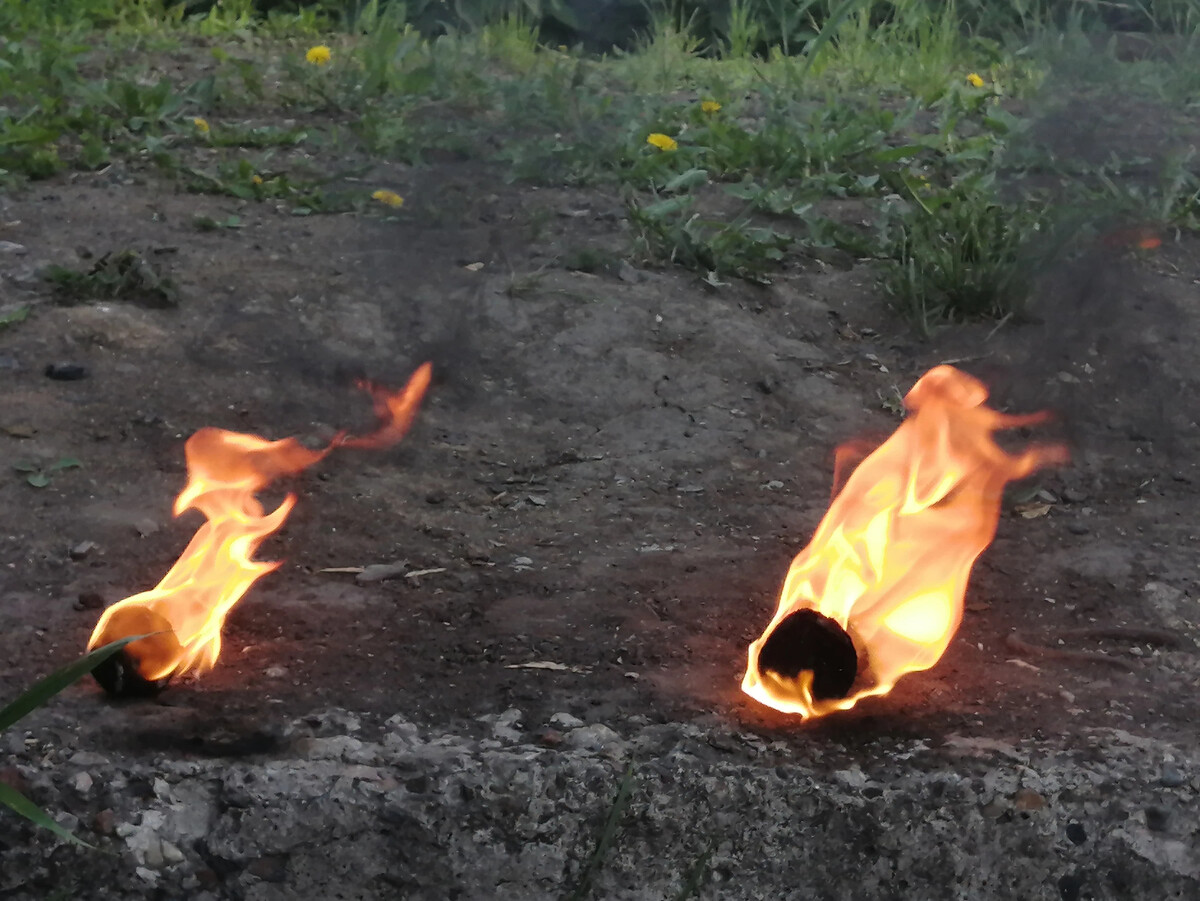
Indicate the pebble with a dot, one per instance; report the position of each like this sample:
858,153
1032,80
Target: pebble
596,737
1074,495
1028,799
12,247
506,726
1171,776
82,783
65,372
89,600
565,721
1077,528
379,572
171,853
104,822
81,550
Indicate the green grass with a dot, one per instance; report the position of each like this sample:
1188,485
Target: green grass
811,104
37,696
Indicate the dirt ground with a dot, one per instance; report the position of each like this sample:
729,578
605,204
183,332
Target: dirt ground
611,472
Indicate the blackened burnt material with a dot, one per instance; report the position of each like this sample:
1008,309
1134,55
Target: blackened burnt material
119,676
807,641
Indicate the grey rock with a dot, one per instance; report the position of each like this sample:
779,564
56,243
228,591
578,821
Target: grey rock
565,721
506,725
1171,776
596,737
82,783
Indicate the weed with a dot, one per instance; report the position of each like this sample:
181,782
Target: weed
961,253
606,838
39,476
12,315
31,700
120,275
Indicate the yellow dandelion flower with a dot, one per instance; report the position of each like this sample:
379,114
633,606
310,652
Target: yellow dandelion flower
710,106
256,179
391,198
661,141
974,80
318,55
201,125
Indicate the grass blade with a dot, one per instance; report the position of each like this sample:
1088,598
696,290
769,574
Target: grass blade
839,15
607,835
18,803
52,684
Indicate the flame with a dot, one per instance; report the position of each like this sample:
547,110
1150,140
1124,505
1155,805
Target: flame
888,566
225,471
1139,237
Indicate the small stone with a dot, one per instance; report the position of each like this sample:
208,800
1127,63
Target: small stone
626,273
152,856
81,550
434,498
12,247
1075,527
147,875
104,822
1076,833
380,572
596,737
1171,776
402,733
275,672
1074,495
551,738
87,759
171,853
12,777
1027,799
565,721
89,600
65,372
82,783
522,561
506,726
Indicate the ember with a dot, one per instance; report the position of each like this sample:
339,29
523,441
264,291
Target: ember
879,591
187,609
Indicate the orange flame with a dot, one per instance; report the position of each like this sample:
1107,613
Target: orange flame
889,563
225,471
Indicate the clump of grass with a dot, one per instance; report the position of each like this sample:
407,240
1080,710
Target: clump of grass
961,253
121,275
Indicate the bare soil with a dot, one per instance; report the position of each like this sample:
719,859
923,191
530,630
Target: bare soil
611,472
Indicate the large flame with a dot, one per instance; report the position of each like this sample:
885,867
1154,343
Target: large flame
187,609
888,566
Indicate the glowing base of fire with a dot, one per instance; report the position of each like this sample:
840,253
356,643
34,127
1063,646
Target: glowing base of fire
184,614
121,674
878,592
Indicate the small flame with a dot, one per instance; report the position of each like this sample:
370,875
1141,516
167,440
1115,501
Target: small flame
225,471
1139,237
887,569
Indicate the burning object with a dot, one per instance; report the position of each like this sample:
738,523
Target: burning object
879,590
187,609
